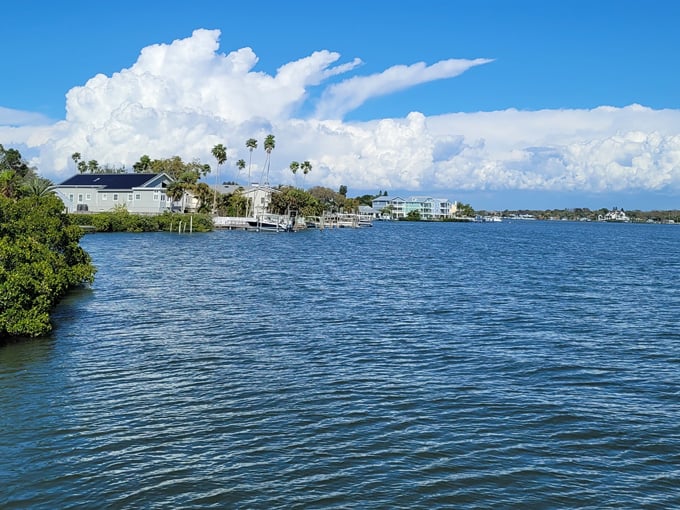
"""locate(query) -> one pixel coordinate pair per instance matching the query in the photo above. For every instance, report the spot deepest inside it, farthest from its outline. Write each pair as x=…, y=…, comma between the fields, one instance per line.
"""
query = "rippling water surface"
x=512, y=365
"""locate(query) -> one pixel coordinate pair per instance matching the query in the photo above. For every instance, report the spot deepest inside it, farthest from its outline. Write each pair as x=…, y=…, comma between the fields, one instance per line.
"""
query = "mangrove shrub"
x=40, y=260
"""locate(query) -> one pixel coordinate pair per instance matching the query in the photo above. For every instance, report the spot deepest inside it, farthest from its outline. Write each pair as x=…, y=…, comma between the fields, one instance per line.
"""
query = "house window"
x=155, y=195
x=70, y=197
x=129, y=197
x=105, y=196
x=162, y=197
x=138, y=196
x=80, y=198
x=88, y=196
x=115, y=197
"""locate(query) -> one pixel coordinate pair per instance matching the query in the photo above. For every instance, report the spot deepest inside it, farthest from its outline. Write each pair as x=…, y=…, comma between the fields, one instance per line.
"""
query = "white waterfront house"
x=260, y=195
x=138, y=193
x=614, y=215
x=391, y=207
x=429, y=208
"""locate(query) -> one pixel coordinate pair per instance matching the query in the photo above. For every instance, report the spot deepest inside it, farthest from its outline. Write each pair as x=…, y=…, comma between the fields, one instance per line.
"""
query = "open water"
x=512, y=365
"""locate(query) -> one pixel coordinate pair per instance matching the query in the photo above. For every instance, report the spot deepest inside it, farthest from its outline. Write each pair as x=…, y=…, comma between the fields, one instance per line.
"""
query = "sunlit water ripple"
x=512, y=365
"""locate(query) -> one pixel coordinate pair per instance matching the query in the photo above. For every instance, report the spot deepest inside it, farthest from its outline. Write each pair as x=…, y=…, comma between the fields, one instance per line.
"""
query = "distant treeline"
x=579, y=213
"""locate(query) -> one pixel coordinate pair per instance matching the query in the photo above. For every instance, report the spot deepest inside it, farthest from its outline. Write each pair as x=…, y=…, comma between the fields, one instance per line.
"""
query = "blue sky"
x=556, y=63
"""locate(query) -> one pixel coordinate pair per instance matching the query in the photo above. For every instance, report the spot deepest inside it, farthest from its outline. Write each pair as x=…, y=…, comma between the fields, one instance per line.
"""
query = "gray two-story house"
x=138, y=193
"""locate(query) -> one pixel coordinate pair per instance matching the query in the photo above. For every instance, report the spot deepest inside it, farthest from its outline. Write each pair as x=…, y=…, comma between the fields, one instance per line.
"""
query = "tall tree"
x=240, y=164
x=269, y=144
x=143, y=165
x=76, y=157
x=13, y=172
x=93, y=166
x=294, y=167
x=175, y=192
x=202, y=193
x=220, y=154
x=10, y=182
x=36, y=187
x=306, y=167
x=251, y=144
x=10, y=159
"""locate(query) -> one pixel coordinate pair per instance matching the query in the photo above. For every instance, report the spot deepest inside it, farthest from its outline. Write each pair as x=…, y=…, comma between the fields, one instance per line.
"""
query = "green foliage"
x=219, y=152
x=333, y=201
x=413, y=216
x=465, y=210
x=121, y=220
x=11, y=160
x=232, y=204
x=205, y=197
x=326, y=196
x=40, y=260
x=173, y=166
x=367, y=199
x=143, y=165
x=289, y=198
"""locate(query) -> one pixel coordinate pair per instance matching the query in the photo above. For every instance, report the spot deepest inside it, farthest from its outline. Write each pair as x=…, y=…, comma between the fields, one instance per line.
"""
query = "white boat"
x=488, y=219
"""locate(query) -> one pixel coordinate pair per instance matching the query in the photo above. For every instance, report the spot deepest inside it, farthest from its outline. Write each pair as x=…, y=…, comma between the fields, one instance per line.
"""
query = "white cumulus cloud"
x=184, y=97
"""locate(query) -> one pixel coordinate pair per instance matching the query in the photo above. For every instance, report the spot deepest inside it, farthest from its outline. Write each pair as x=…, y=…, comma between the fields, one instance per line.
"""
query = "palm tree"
x=306, y=167
x=175, y=191
x=37, y=187
x=220, y=153
x=76, y=157
x=240, y=164
x=294, y=167
x=143, y=165
x=269, y=145
x=202, y=193
x=10, y=181
x=251, y=144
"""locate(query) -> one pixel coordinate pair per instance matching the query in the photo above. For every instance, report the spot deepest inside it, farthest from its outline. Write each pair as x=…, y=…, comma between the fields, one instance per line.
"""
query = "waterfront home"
x=259, y=195
x=615, y=215
x=138, y=193
x=392, y=207
x=427, y=207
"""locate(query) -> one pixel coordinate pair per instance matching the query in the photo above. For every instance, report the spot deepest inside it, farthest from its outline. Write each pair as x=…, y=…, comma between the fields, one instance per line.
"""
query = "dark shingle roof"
x=113, y=181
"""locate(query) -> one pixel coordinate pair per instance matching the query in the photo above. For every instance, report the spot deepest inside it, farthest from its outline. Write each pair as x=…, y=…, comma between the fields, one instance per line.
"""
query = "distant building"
x=368, y=212
x=428, y=208
x=138, y=193
x=615, y=215
x=260, y=196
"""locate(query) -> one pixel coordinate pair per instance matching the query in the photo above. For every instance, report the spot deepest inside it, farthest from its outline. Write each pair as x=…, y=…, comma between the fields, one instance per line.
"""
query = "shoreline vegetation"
x=40, y=261
x=123, y=221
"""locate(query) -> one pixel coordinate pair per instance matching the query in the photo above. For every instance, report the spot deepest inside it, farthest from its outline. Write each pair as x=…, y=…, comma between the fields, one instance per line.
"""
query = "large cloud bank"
x=183, y=98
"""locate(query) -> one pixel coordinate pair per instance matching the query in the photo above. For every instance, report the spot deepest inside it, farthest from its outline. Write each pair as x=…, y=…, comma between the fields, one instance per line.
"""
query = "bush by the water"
x=122, y=221
x=40, y=260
